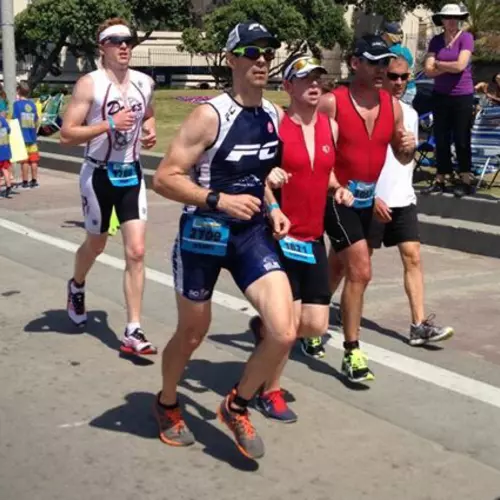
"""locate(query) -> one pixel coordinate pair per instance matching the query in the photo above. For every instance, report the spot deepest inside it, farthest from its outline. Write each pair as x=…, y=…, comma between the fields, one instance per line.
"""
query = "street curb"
x=445, y=221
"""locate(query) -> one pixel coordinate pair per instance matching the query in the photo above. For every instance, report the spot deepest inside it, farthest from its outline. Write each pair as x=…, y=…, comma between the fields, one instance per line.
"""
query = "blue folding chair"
x=485, y=143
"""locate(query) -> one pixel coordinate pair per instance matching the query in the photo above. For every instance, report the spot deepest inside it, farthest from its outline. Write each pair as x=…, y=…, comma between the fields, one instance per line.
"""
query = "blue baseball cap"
x=393, y=28
x=247, y=33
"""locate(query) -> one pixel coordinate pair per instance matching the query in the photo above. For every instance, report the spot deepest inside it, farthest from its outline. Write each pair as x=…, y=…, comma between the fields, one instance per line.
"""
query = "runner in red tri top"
x=369, y=120
x=307, y=158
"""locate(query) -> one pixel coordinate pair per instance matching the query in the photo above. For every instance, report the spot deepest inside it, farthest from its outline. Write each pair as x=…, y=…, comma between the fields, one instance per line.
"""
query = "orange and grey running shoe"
x=173, y=428
x=249, y=443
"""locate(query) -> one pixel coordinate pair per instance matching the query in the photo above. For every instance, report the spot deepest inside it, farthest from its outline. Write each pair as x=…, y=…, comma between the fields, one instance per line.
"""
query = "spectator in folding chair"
x=491, y=91
x=25, y=111
x=485, y=144
x=51, y=121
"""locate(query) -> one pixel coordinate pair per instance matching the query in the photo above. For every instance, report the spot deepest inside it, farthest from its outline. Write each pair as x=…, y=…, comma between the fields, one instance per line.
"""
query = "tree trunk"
x=43, y=64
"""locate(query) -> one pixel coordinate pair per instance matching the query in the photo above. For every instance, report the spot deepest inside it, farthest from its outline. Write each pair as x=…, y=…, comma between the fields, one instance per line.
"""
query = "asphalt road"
x=75, y=417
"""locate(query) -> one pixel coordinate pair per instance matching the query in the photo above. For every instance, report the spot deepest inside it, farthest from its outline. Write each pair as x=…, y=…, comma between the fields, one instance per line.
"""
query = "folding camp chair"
x=425, y=154
x=485, y=143
x=50, y=121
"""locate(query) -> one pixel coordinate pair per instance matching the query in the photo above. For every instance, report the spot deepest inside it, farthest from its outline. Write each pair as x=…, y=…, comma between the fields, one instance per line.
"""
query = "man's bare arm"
x=328, y=105
x=172, y=177
x=403, y=141
x=73, y=132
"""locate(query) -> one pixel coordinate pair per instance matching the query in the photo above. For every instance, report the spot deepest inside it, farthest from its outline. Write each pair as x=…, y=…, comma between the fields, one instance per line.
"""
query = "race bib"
x=298, y=250
x=122, y=174
x=363, y=192
x=205, y=236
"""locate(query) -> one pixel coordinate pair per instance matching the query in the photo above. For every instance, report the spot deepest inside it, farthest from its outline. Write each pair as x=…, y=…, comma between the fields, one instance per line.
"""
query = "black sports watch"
x=212, y=200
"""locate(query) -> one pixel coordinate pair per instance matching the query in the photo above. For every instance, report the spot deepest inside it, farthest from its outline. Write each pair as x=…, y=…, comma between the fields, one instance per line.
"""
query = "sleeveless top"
x=108, y=100
x=303, y=198
x=242, y=155
x=359, y=156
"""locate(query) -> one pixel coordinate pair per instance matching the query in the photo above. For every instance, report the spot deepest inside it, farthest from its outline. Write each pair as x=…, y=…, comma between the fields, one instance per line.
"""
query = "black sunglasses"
x=451, y=17
x=118, y=40
x=380, y=62
x=253, y=53
x=396, y=76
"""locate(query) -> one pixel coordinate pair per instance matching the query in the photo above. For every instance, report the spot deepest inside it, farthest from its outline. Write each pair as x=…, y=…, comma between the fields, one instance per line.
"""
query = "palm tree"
x=484, y=16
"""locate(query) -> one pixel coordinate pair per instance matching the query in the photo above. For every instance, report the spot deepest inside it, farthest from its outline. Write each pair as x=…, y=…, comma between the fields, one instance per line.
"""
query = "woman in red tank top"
x=307, y=159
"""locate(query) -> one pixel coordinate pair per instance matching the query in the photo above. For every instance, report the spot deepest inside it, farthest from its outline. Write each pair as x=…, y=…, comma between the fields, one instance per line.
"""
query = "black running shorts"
x=309, y=282
x=402, y=228
x=346, y=225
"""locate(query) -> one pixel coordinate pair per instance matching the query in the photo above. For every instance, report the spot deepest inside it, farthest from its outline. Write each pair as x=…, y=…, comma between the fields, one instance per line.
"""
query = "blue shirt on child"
x=25, y=111
x=5, y=152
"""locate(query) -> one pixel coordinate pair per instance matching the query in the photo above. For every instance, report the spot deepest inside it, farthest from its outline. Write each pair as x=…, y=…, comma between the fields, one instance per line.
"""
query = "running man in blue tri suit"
x=217, y=166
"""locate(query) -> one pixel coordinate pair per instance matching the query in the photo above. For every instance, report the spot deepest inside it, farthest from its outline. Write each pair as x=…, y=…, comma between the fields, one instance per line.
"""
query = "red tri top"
x=359, y=156
x=303, y=198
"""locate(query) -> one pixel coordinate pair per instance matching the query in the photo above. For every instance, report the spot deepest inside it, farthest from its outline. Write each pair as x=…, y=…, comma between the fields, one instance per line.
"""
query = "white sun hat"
x=452, y=10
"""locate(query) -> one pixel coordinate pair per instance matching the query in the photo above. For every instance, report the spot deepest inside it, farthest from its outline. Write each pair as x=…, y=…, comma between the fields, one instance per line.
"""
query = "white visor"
x=118, y=29
x=300, y=68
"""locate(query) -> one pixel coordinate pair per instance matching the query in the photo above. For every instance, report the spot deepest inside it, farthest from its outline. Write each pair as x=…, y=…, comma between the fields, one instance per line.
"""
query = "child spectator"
x=25, y=111
x=5, y=155
x=4, y=107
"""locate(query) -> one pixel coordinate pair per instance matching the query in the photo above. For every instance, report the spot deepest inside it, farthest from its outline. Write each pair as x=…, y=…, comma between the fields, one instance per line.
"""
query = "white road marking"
x=435, y=375
x=74, y=424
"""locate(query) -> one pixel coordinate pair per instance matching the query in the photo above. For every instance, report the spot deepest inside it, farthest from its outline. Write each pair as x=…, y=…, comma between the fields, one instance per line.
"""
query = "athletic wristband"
x=111, y=122
x=272, y=206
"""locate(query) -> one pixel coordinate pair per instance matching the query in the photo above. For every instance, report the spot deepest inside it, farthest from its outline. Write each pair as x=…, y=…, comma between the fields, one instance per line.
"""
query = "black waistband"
x=103, y=164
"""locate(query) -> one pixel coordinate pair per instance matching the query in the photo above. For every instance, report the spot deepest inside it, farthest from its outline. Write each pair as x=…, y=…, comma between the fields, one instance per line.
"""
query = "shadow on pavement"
x=136, y=417
x=56, y=321
x=245, y=342
x=73, y=223
x=367, y=324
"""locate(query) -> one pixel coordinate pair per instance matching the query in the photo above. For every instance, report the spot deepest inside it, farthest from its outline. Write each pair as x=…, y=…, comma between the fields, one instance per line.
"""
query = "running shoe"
x=355, y=367
x=273, y=405
x=137, y=343
x=249, y=443
x=313, y=347
x=34, y=183
x=173, y=428
x=8, y=191
x=76, y=305
x=427, y=332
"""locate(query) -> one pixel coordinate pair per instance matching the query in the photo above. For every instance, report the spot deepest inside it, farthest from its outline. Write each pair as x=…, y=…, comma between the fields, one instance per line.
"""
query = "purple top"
x=453, y=83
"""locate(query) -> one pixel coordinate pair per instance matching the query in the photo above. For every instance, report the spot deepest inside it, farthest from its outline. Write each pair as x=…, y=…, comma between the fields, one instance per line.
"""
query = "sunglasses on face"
x=254, y=53
x=381, y=63
x=450, y=17
x=118, y=40
x=395, y=76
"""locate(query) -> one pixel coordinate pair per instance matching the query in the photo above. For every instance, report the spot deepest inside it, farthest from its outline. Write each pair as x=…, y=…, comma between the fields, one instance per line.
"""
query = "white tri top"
x=395, y=184
x=109, y=100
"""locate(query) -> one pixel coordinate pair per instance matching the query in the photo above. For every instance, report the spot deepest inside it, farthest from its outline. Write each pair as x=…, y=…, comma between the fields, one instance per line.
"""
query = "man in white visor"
x=111, y=112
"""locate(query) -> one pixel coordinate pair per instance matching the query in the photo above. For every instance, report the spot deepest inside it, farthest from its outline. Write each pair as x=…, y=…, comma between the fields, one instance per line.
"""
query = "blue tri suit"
x=239, y=161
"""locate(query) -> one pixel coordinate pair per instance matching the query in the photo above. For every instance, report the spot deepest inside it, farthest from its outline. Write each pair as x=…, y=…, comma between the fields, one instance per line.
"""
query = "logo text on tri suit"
x=266, y=152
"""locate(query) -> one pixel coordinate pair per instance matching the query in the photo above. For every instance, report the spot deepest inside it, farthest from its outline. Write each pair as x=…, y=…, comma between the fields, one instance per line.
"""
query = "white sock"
x=75, y=289
x=132, y=327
